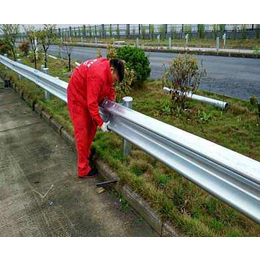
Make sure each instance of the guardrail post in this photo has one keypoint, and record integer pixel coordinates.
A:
(137, 42)
(158, 40)
(170, 42)
(217, 44)
(47, 94)
(96, 41)
(127, 102)
(20, 61)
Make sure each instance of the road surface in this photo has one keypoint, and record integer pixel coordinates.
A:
(234, 77)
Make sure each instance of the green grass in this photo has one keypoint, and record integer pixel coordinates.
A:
(191, 210)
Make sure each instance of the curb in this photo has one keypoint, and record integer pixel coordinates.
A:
(133, 199)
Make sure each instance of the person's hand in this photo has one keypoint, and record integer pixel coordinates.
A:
(104, 126)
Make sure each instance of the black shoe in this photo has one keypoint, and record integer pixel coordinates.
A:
(91, 174)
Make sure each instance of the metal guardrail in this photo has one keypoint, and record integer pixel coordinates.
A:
(51, 84)
(227, 175)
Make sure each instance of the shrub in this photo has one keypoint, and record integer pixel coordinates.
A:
(123, 88)
(25, 47)
(136, 60)
(4, 48)
(183, 76)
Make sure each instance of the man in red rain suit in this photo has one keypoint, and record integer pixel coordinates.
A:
(91, 83)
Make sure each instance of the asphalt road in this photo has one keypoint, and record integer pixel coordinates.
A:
(234, 77)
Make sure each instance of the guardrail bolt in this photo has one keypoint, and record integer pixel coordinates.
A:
(19, 61)
(127, 102)
(47, 94)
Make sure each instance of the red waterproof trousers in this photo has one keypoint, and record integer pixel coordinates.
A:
(89, 85)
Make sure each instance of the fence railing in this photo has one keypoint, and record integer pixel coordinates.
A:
(227, 175)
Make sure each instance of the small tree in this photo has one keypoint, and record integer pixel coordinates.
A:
(173, 32)
(10, 33)
(151, 31)
(243, 31)
(46, 37)
(187, 29)
(257, 31)
(117, 31)
(25, 47)
(90, 31)
(215, 30)
(162, 31)
(183, 76)
(201, 30)
(110, 30)
(67, 46)
(222, 28)
(143, 31)
(33, 37)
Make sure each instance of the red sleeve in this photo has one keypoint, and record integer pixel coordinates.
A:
(93, 91)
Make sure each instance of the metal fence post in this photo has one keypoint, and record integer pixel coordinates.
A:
(224, 39)
(170, 42)
(187, 39)
(20, 61)
(137, 42)
(217, 44)
(47, 94)
(127, 102)
(158, 40)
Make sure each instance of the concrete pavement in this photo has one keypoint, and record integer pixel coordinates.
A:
(40, 194)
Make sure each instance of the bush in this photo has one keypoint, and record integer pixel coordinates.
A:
(4, 48)
(25, 47)
(136, 60)
(183, 76)
(123, 88)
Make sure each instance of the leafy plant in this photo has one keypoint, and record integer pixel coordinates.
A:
(10, 33)
(110, 30)
(143, 31)
(136, 60)
(33, 36)
(4, 48)
(123, 88)
(256, 50)
(46, 37)
(183, 76)
(25, 47)
(151, 30)
(222, 28)
(117, 31)
(187, 29)
(204, 117)
(243, 31)
(215, 30)
(201, 30)
(173, 32)
(257, 31)
(162, 31)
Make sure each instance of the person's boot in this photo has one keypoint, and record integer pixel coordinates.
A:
(91, 174)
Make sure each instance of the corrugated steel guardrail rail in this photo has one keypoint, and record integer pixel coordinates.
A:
(227, 175)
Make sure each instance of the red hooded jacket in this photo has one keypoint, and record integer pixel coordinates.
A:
(90, 84)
